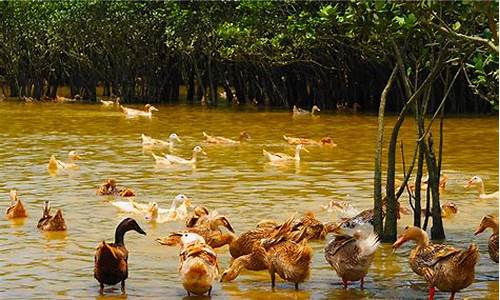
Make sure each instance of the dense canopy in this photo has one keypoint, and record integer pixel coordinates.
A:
(271, 53)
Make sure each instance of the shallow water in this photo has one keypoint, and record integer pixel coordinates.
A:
(234, 180)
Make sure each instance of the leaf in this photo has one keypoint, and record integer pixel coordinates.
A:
(456, 26)
(409, 71)
(399, 20)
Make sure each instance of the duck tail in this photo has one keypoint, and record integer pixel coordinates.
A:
(304, 252)
(469, 257)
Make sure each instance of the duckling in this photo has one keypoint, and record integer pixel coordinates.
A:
(110, 188)
(302, 112)
(131, 113)
(303, 141)
(55, 164)
(282, 157)
(148, 141)
(490, 221)
(179, 160)
(478, 182)
(51, 223)
(110, 260)
(16, 210)
(351, 256)
(445, 267)
(199, 267)
(244, 136)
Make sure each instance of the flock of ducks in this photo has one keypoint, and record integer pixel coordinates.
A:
(279, 248)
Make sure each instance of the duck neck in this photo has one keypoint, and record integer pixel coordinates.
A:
(119, 234)
(297, 154)
(422, 240)
(480, 188)
(193, 159)
(174, 205)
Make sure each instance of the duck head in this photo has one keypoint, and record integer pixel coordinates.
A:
(198, 149)
(191, 238)
(473, 181)
(174, 137)
(244, 136)
(151, 212)
(411, 233)
(126, 225)
(488, 221)
(73, 155)
(449, 208)
(150, 108)
(315, 108)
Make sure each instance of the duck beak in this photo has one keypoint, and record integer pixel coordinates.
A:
(306, 150)
(154, 108)
(402, 239)
(469, 184)
(203, 152)
(178, 139)
(479, 230)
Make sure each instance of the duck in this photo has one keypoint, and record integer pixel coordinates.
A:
(51, 223)
(110, 102)
(445, 267)
(490, 221)
(325, 141)
(111, 259)
(110, 188)
(344, 207)
(148, 141)
(179, 160)
(16, 210)
(244, 136)
(478, 182)
(282, 157)
(314, 229)
(275, 251)
(351, 255)
(131, 113)
(199, 267)
(209, 231)
(176, 211)
(161, 161)
(55, 164)
(443, 181)
(366, 216)
(300, 112)
(131, 206)
(448, 209)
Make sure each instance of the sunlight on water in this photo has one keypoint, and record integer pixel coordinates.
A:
(234, 180)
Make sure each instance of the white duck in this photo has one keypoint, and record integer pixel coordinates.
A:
(299, 111)
(148, 141)
(131, 206)
(147, 112)
(161, 160)
(176, 212)
(55, 164)
(282, 157)
(179, 160)
(478, 182)
(110, 102)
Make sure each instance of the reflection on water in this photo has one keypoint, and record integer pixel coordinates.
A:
(236, 181)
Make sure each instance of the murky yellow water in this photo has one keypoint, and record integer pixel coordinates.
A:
(236, 181)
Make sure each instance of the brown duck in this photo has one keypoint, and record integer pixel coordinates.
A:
(208, 229)
(490, 221)
(16, 210)
(110, 188)
(49, 222)
(445, 267)
(351, 256)
(110, 260)
(278, 254)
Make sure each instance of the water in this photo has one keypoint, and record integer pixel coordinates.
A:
(234, 180)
